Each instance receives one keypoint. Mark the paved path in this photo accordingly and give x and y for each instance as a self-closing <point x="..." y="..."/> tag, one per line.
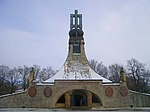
<point x="64" y="110"/>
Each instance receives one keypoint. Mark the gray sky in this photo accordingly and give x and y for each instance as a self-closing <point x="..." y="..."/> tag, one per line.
<point x="36" y="31"/>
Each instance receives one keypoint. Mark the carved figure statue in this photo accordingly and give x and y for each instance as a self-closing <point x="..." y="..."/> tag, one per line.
<point x="67" y="99"/>
<point x="122" y="75"/>
<point x="32" y="72"/>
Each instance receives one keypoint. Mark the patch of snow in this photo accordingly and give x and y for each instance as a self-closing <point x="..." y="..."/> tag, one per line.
<point x="139" y="93"/>
<point x="114" y="84"/>
<point x="19" y="90"/>
<point x="12" y="94"/>
<point x="41" y="84"/>
<point x="76" y="71"/>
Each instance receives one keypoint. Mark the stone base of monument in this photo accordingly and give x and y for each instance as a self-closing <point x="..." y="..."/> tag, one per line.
<point x="76" y="109"/>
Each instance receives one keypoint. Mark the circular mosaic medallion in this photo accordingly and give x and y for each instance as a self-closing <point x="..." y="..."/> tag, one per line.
<point x="123" y="91"/>
<point x="32" y="91"/>
<point x="47" y="92"/>
<point x="109" y="91"/>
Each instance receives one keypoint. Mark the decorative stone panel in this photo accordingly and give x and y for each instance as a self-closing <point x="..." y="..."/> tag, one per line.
<point x="109" y="91"/>
<point x="32" y="91"/>
<point x="123" y="91"/>
<point x="47" y="92"/>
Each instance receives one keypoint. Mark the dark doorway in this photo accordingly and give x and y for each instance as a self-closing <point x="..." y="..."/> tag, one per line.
<point x="79" y="98"/>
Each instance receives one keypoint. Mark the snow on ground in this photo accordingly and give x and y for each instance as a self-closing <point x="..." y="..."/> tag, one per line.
<point x="77" y="110"/>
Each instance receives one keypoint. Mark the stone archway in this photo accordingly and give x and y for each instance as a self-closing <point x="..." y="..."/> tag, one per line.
<point x="78" y="98"/>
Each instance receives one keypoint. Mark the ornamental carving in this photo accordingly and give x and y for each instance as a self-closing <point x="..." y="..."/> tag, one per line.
<point x="77" y="69"/>
<point x="47" y="92"/>
<point x="109" y="91"/>
<point x="123" y="91"/>
<point x="32" y="91"/>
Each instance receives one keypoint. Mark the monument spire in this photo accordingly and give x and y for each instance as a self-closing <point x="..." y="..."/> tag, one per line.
<point x="76" y="21"/>
<point x="76" y="66"/>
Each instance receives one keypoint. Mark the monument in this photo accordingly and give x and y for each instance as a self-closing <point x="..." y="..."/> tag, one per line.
<point x="76" y="85"/>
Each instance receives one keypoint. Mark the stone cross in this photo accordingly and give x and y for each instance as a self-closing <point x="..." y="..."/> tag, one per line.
<point x="76" y="21"/>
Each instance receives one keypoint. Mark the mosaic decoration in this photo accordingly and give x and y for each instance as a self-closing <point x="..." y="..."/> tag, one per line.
<point x="32" y="91"/>
<point x="109" y="91"/>
<point x="77" y="69"/>
<point x="123" y="91"/>
<point x="47" y="92"/>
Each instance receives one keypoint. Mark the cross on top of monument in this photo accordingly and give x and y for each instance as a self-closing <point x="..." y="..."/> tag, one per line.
<point x="76" y="21"/>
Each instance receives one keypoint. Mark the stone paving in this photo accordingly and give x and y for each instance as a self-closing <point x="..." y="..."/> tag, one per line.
<point x="79" y="110"/>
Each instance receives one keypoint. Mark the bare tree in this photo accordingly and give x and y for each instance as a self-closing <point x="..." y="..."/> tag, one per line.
<point x="50" y="72"/>
<point x="14" y="76"/>
<point x="114" y="72"/>
<point x="41" y="75"/>
<point x="102" y="70"/>
<point x="18" y="77"/>
<point x="139" y="74"/>
<point x="3" y="73"/>
<point x="144" y="80"/>
<point x="4" y="83"/>
<point x="25" y="76"/>
<point x="46" y="73"/>
<point x="99" y="68"/>
<point x="93" y="64"/>
<point x="37" y="69"/>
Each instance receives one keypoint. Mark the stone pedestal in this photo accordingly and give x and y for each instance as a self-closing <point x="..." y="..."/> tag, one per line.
<point x="33" y="83"/>
<point x="122" y="83"/>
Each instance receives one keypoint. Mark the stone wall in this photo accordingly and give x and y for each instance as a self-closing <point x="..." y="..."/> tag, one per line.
<point x="115" y="99"/>
<point x="140" y="99"/>
<point x="46" y="96"/>
<point x="23" y="100"/>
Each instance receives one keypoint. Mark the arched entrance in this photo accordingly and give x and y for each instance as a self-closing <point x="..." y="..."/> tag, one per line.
<point x="78" y="98"/>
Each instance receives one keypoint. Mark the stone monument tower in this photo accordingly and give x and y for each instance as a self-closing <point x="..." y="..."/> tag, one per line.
<point x="76" y="66"/>
<point x="76" y="85"/>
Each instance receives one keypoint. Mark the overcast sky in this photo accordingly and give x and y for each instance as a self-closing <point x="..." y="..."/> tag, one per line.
<point x="36" y="31"/>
